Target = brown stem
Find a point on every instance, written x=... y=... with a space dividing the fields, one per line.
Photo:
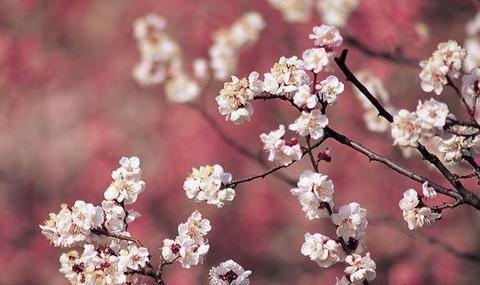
x=105 y=232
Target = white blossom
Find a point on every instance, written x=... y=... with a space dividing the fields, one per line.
x=127 y=184
x=414 y=215
x=351 y=220
x=180 y=88
x=293 y=10
x=431 y=114
x=428 y=191
x=343 y=281
x=229 y=272
x=316 y=59
x=336 y=12
x=447 y=60
x=278 y=150
x=206 y=184
x=313 y=191
x=234 y=97
x=330 y=88
x=195 y=227
x=361 y=268
x=304 y=97
x=409 y=200
x=321 y=249
x=286 y=76
x=471 y=87
x=457 y=146
x=310 y=124
x=405 y=132
x=326 y=36
x=134 y=257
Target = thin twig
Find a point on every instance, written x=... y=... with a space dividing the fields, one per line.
x=466 y=196
x=105 y=232
x=470 y=111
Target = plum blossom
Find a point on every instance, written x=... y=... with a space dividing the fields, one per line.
x=415 y=215
x=234 y=98
x=310 y=124
x=431 y=114
x=361 y=268
x=304 y=98
x=293 y=10
x=471 y=87
x=227 y=43
x=330 y=88
x=278 y=150
x=405 y=131
x=351 y=220
x=447 y=60
x=455 y=147
x=316 y=59
x=190 y=246
x=314 y=191
x=428 y=191
x=229 y=272
x=180 y=88
x=321 y=249
x=286 y=76
x=336 y=12
x=134 y=257
x=343 y=281
x=326 y=36
x=127 y=184
x=205 y=184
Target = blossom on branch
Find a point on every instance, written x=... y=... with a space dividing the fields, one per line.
x=413 y=213
x=229 y=273
x=361 y=269
x=206 y=184
x=280 y=151
x=310 y=124
x=321 y=249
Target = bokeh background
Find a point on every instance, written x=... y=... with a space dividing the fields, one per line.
x=69 y=109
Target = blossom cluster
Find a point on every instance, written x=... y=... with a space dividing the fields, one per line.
x=332 y=12
x=207 y=184
x=229 y=273
x=228 y=42
x=415 y=213
x=161 y=60
x=445 y=62
x=190 y=246
x=104 y=260
x=315 y=194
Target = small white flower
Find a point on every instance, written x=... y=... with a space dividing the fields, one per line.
x=428 y=191
x=304 y=97
x=127 y=184
x=336 y=12
x=205 y=184
x=311 y=124
x=404 y=129
x=316 y=59
x=200 y=69
x=313 y=190
x=471 y=87
x=286 y=76
x=321 y=249
x=293 y=11
x=431 y=114
x=280 y=151
x=229 y=272
x=326 y=36
x=86 y=216
x=134 y=257
x=195 y=227
x=409 y=200
x=180 y=88
x=351 y=220
x=330 y=88
x=418 y=217
x=361 y=268
x=457 y=146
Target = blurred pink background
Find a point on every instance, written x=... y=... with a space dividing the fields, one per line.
x=69 y=109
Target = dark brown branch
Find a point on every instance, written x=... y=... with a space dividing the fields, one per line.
x=310 y=154
x=466 y=196
x=274 y=169
x=105 y=232
x=470 y=111
x=395 y=57
x=352 y=78
x=372 y=156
